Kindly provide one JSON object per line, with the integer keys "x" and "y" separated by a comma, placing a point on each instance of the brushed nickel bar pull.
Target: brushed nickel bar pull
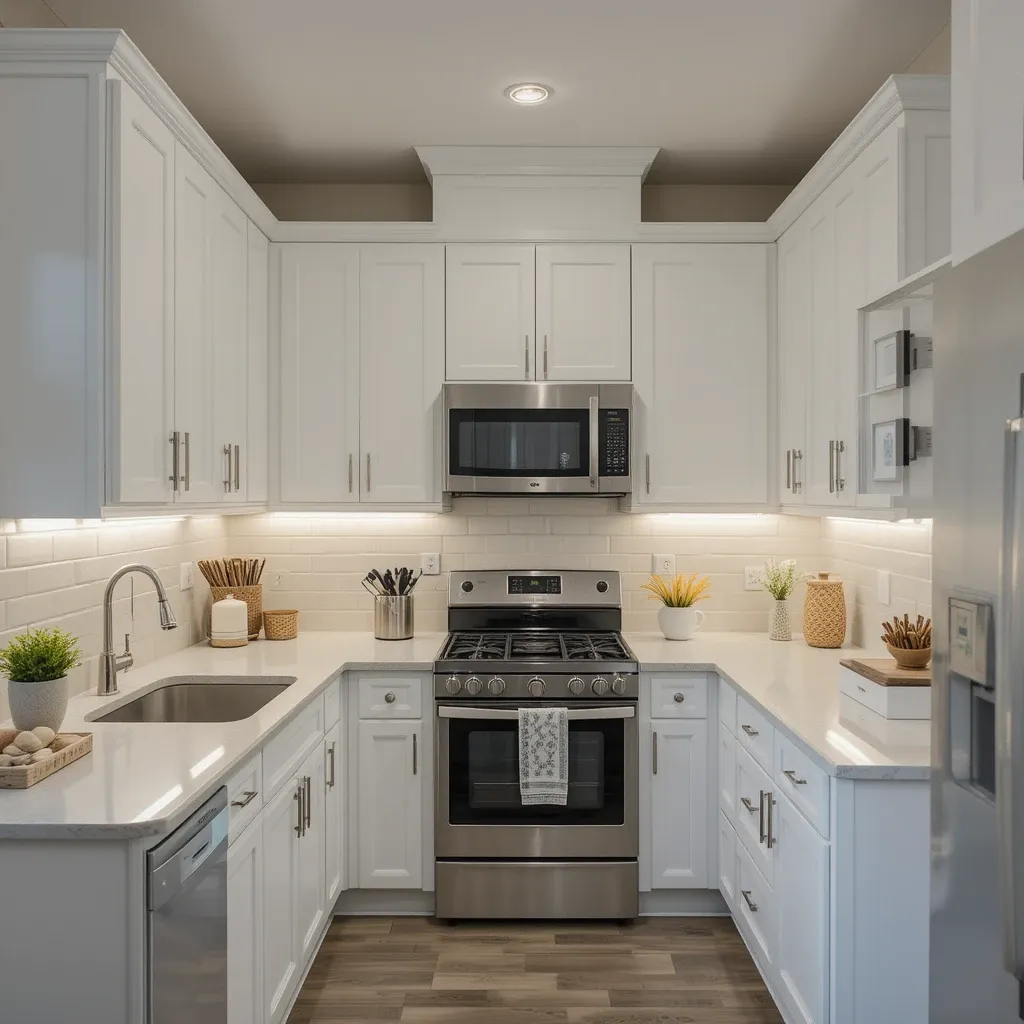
{"x": 302, "y": 817}
{"x": 748, "y": 804}
{"x": 840, "y": 481}
{"x": 789, "y": 469}
{"x": 761, "y": 830}
{"x": 647, "y": 461}
{"x": 797, "y": 484}
{"x": 791, "y": 775}
{"x": 248, "y": 795}
{"x": 227, "y": 479}
{"x": 367, "y": 472}
{"x": 831, "y": 467}
{"x": 238, "y": 467}
{"x": 526, "y": 353}
{"x": 309, "y": 802}
{"x": 770, "y": 800}
{"x": 175, "y": 440}
{"x": 750, "y": 903}
{"x": 415, "y": 759}
{"x": 750, "y": 730}
{"x": 330, "y": 756}
{"x": 350, "y": 461}
{"x": 187, "y": 478}
{"x": 654, "y": 753}
{"x": 545, "y": 357}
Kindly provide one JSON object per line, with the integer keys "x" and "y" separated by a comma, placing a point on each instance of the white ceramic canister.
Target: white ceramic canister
{"x": 229, "y": 623}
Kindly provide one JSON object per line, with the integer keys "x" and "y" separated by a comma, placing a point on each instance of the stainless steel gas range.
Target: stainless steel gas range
{"x": 528, "y": 639}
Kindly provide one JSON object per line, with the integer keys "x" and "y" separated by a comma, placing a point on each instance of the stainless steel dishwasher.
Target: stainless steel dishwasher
{"x": 187, "y": 920}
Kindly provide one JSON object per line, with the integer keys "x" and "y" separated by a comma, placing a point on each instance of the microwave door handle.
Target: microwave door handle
{"x": 505, "y": 714}
{"x": 1010, "y": 707}
{"x": 593, "y": 442}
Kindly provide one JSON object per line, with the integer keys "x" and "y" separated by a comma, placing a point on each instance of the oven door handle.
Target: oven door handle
{"x": 594, "y": 442}
{"x": 495, "y": 714}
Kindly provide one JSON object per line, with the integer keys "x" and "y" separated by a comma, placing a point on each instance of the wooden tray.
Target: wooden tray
{"x": 886, "y": 672}
{"x": 23, "y": 776}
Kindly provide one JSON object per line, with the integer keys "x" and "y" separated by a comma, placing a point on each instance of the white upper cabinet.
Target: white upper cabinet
{"x": 142, "y": 346}
{"x": 988, "y": 129}
{"x": 583, "y": 312}
{"x": 401, "y": 369}
{"x": 255, "y": 460}
{"x": 793, "y": 346}
{"x": 229, "y": 303}
{"x": 319, "y": 373}
{"x": 489, "y": 309}
{"x": 700, "y": 315}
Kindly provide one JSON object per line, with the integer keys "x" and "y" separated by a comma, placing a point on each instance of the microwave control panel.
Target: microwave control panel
{"x": 613, "y": 451}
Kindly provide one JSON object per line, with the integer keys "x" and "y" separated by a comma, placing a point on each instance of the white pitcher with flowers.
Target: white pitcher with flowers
{"x": 678, "y": 619}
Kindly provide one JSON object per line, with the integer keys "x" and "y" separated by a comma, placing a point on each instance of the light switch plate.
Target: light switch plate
{"x": 186, "y": 578}
{"x": 752, "y": 576}
{"x": 664, "y": 565}
{"x": 883, "y": 587}
{"x": 430, "y": 563}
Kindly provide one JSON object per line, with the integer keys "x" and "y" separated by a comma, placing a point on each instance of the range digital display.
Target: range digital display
{"x": 535, "y": 584}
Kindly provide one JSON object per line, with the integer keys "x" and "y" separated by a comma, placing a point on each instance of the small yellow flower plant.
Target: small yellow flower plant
{"x": 681, "y": 592}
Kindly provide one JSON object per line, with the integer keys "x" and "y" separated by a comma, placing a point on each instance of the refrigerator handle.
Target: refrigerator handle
{"x": 1010, "y": 707}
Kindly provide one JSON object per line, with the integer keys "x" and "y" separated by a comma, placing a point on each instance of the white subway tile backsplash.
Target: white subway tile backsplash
{"x": 29, "y": 548}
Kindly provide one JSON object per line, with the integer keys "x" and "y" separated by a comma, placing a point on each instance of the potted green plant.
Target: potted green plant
{"x": 780, "y": 580}
{"x": 36, "y": 665}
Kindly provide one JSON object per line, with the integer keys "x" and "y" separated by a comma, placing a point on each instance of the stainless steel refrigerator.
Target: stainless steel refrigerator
{"x": 977, "y": 926}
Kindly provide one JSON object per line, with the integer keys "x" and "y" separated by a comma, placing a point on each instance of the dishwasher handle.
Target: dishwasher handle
{"x": 188, "y": 851}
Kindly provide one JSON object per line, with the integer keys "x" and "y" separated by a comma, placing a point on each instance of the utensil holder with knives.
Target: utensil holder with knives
{"x": 392, "y": 601}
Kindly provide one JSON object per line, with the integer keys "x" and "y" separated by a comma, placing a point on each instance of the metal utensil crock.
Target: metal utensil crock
{"x": 393, "y": 617}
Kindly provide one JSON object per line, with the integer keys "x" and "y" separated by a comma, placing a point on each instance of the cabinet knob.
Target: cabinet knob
{"x": 390, "y": 698}
{"x": 679, "y": 698}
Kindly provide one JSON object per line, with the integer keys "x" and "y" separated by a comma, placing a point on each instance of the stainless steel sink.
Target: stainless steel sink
{"x": 200, "y": 699}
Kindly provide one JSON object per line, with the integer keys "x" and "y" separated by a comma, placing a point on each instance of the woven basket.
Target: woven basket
{"x": 252, "y": 596}
{"x": 825, "y": 612}
{"x": 281, "y": 624}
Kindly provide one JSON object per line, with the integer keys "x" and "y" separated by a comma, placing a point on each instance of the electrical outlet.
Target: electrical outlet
{"x": 276, "y": 580}
{"x": 752, "y": 576}
{"x": 883, "y": 587}
{"x": 664, "y": 565}
{"x": 430, "y": 563}
{"x": 186, "y": 578}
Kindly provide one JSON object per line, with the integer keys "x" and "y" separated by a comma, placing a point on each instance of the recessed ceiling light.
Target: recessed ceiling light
{"x": 528, "y": 94}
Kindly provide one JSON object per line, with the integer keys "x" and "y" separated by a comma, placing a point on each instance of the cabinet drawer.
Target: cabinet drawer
{"x": 803, "y": 782}
{"x": 727, "y": 773}
{"x": 292, "y": 745}
{"x": 727, "y": 861}
{"x": 679, "y": 696}
{"x": 384, "y": 696}
{"x": 754, "y": 732}
{"x": 753, "y": 791}
{"x": 332, "y": 704}
{"x": 245, "y": 796}
{"x": 755, "y": 902}
{"x": 727, "y": 706}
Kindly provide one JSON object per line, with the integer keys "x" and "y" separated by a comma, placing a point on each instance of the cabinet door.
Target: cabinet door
{"x": 679, "y": 810}
{"x": 390, "y": 816}
{"x": 583, "y": 312}
{"x": 335, "y": 833}
{"x": 987, "y": 128}
{"x": 818, "y": 460}
{"x": 794, "y": 320}
{"x": 229, "y": 304}
{"x": 280, "y": 900}
{"x": 196, "y": 197}
{"x": 701, "y": 344}
{"x": 876, "y": 174}
{"x": 727, "y": 861}
{"x": 311, "y": 904}
{"x": 802, "y": 908}
{"x": 401, "y": 369}
{"x": 254, "y": 472}
{"x": 245, "y": 926}
{"x": 727, "y": 773}
{"x": 319, "y": 371}
{"x": 489, "y": 312}
{"x": 142, "y": 259}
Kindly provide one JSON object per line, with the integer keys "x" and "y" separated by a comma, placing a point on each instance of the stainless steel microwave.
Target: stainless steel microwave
{"x": 537, "y": 437}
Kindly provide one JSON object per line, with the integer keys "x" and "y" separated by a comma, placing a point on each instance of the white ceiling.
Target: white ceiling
{"x": 734, "y": 91}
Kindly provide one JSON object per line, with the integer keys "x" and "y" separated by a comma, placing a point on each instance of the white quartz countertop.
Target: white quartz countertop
{"x": 143, "y": 779}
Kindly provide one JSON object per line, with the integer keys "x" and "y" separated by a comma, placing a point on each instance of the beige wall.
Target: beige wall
{"x": 685, "y": 203}
{"x": 934, "y": 59}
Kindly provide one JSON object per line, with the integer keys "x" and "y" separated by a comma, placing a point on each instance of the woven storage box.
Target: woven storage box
{"x": 281, "y": 624}
{"x": 252, "y": 596}
{"x": 825, "y": 612}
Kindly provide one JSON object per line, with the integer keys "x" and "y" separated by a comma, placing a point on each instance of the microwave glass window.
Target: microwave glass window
{"x": 520, "y": 442}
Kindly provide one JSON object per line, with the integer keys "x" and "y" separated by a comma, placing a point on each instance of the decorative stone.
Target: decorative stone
{"x": 29, "y": 742}
{"x": 5, "y": 760}
{"x": 42, "y": 755}
{"x": 19, "y": 761}
{"x": 60, "y": 742}
{"x": 13, "y": 750}
{"x": 7, "y": 737}
{"x": 45, "y": 734}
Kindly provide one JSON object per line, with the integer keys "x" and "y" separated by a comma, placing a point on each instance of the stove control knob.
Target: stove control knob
{"x": 536, "y": 687}
{"x": 602, "y": 586}
{"x": 452, "y": 685}
{"x": 599, "y": 686}
{"x": 496, "y": 686}
{"x": 618, "y": 685}
{"x": 473, "y": 686}
{"x": 467, "y": 586}
{"x": 576, "y": 686}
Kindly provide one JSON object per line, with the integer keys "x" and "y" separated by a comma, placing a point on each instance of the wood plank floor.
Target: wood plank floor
{"x": 692, "y": 970}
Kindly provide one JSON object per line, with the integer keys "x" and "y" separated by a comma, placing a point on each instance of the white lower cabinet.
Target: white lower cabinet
{"x": 727, "y": 861}
{"x": 679, "y": 793}
{"x": 334, "y": 815}
{"x": 245, "y": 926}
{"x": 755, "y": 907}
{"x": 310, "y": 904}
{"x": 389, "y": 828}
{"x": 802, "y": 902}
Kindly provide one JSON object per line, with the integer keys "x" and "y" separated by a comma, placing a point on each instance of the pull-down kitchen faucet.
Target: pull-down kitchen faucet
{"x": 110, "y": 662}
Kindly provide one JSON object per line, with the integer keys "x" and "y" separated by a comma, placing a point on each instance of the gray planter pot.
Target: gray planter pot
{"x": 35, "y": 704}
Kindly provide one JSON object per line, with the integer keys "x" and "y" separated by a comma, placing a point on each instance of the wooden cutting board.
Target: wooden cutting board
{"x": 886, "y": 672}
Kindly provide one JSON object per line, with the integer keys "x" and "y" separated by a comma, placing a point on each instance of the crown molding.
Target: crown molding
{"x": 900, "y": 93}
{"x": 551, "y": 161}
{"x": 712, "y": 231}
{"x": 354, "y": 231}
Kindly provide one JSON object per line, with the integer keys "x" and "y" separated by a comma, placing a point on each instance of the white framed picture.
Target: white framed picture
{"x": 886, "y": 362}
{"x": 887, "y": 458}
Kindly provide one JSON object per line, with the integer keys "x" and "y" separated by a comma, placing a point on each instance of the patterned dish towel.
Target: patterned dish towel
{"x": 544, "y": 755}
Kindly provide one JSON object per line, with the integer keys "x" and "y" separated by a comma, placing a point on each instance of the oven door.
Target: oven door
{"x": 478, "y": 810}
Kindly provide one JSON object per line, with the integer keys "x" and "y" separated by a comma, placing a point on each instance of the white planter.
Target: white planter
{"x": 778, "y": 623}
{"x": 679, "y": 623}
{"x": 34, "y": 704}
